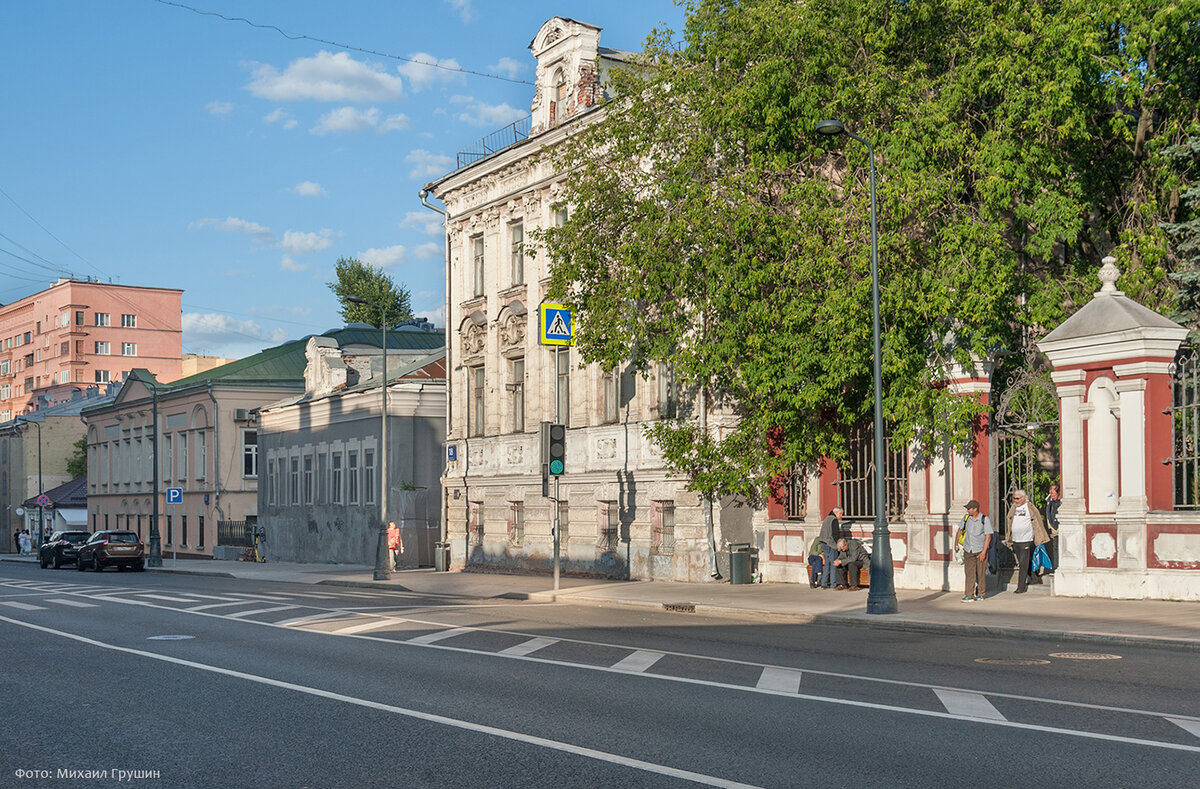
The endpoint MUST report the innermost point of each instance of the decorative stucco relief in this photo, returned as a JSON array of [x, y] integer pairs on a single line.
[[474, 339], [512, 330]]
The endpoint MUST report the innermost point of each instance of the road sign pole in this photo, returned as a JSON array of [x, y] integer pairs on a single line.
[[557, 543]]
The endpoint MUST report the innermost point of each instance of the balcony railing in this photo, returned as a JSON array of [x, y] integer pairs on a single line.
[[496, 141]]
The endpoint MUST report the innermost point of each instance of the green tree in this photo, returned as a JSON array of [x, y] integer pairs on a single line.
[[354, 278], [1017, 143], [77, 463]]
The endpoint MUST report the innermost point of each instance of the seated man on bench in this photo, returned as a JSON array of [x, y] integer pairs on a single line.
[[852, 557]]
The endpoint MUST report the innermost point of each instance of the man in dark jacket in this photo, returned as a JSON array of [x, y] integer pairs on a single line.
[[830, 531], [852, 557]]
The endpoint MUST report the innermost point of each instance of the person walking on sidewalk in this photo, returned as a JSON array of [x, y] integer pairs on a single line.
[[395, 544], [977, 536], [831, 529], [1025, 530]]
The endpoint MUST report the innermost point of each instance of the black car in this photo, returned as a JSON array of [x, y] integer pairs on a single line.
[[62, 548], [120, 549]]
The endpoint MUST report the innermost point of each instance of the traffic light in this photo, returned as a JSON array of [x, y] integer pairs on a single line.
[[554, 448]]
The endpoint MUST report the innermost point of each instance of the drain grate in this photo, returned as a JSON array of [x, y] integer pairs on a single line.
[[1084, 656], [680, 608], [1013, 661]]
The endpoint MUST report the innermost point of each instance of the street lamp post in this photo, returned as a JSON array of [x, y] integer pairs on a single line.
[[383, 571], [881, 599]]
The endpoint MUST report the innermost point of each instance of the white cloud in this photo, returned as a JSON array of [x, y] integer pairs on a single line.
[[435, 315], [425, 70], [477, 113], [429, 251], [208, 327], [260, 234], [278, 335], [507, 67], [326, 77], [219, 107], [465, 12], [308, 189], [298, 243], [352, 119], [282, 118], [428, 165], [287, 264], [425, 221], [384, 258]]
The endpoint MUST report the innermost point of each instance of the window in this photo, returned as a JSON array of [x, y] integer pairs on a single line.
[[199, 530], [563, 365], [272, 483], [183, 529], [612, 395], [477, 392], [308, 479], [477, 257], [101, 318], [335, 489], [662, 527], [102, 348], [294, 481], [249, 453], [201, 454], [352, 476], [516, 523], [518, 395], [5, 367], [168, 457], [170, 531], [560, 216], [64, 349], [38, 354], [856, 486], [322, 478], [609, 527], [183, 457], [129, 349], [475, 523], [516, 237], [129, 321], [5, 391], [369, 475], [102, 376], [668, 392], [797, 493], [79, 317]]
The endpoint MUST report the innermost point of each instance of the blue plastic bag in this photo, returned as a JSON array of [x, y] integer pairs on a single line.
[[1041, 561]]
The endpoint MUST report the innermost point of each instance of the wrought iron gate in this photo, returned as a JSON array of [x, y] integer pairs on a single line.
[[1024, 445]]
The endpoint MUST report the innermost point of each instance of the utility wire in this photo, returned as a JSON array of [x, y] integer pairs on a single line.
[[47, 232], [350, 47]]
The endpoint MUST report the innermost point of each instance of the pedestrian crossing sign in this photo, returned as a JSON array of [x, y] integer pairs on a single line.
[[555, 326]]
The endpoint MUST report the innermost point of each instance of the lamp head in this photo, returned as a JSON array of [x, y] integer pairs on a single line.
[[830, 127], [356, 299]]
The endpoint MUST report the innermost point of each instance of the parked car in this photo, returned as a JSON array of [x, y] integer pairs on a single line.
[[61, 548], [118, 549]]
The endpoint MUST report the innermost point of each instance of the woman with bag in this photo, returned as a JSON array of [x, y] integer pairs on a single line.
[[1025, 530]]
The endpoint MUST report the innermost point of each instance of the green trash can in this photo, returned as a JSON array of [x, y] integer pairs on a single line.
[[441, 557], [739, 563]]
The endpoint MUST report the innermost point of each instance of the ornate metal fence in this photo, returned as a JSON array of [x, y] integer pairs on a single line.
[[236, 533], [856, 484], [1185, 428]]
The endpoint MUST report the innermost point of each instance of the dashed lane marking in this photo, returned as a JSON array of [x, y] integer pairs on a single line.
[[363, 627], [440, 635], [529, 647], [168, 598], [638, 662], [75, 603], [784, 680], [23, 606], [207, 606], [299, 620], [967, 704], [262, 611], [1190, 726]]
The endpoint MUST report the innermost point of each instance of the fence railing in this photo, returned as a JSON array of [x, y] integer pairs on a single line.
[[1185, 428], [496, 141], [236, 533]]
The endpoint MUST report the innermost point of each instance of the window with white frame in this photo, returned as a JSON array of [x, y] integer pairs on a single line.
[[294, 480], [183, 456], [335, 487], [369, 483], [102, 348], [477, 265], [308, 479], [668, 392], [322, 478], [102, 318], [201, 454], [517, 388], [563, 366], [612, 395], [168, 458], [662, 527], [128, 321], [272, 483], [477, 401], [129, 349], [516, 240], [249, 453], [352, 476], [102, 376]]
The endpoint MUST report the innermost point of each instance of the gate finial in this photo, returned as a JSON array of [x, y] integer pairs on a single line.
[[1109, 273]]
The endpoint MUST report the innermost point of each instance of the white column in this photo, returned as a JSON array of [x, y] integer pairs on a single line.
[[1071, 399], [1131, 393]]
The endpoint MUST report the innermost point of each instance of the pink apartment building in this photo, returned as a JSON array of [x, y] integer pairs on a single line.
[[79, 333]]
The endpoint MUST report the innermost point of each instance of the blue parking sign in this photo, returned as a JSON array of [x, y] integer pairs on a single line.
[[174, 495]]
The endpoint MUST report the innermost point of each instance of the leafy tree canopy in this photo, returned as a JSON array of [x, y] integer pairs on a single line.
[[355, 278], [77, 463], [1017, 143]]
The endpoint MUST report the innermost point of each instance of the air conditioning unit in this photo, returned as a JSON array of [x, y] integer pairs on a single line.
[[241, 414]]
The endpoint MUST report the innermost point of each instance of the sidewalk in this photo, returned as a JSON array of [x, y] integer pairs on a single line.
[[1035, 615]]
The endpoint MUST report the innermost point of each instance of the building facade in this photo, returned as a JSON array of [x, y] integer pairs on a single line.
[[79, 333], [323, 462]]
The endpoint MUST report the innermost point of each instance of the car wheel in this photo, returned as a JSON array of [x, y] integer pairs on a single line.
[[96, 565], [79, 563], [42, 561], [57, 562]]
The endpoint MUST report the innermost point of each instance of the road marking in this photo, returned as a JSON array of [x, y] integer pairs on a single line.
[[784, 680], [262, 611], [1191, 726], [529, 739], [207, 606], [529, 647], [168, 598], [969, 705], [429, 638], [23, 606], [302, 619], [638, 662], [75, 603], [363, 627]]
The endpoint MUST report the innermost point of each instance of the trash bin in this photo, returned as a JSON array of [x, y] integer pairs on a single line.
[[441, 557], [739, 563]]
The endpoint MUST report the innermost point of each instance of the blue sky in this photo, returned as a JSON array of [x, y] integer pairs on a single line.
[[147, 144]]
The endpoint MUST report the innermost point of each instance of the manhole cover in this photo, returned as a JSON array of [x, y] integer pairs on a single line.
[[680, 608], [1012, 661], [1084, 656], [169, 638]]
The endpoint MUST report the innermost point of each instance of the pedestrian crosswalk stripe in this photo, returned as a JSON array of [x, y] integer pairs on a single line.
[[261, 611], [363, 627], [76, 603], [1190, 725], [311, 617], [639, 661], [529, 647], [207, 606], [23, 606], [971, 705], [440, 635], [168, 598], [786, 680]]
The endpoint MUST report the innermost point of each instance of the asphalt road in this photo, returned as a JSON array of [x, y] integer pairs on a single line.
[[199, 681]]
